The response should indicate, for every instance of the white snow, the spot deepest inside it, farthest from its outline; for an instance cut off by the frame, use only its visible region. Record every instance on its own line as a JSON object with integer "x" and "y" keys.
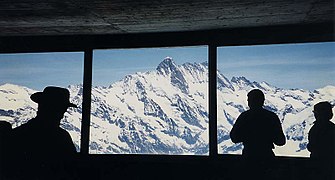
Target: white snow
{"x": 145, "y": 113}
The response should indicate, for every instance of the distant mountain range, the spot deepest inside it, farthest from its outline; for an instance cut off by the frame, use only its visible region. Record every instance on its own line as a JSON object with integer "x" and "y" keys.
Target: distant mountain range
{"x": 165, "y": 111}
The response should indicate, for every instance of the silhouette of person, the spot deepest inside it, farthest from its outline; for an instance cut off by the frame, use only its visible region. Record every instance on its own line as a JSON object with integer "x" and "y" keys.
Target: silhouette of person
{"x": 5, "y": 132}
{"x": 321, "y": 139}
{"x": 41, "y": 143}
{"x": 258, "y": 129}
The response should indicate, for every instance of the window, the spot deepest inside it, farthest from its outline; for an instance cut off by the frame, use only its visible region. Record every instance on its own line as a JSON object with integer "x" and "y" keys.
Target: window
{"x": 155, "y": 100}
{"x": 23, "y": 74}
{"x": 150, "y": 101}
{"x": 293, "y": 77}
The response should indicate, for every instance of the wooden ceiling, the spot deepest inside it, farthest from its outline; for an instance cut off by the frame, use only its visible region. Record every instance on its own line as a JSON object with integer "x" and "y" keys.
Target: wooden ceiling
{"x": 111, "y": 17}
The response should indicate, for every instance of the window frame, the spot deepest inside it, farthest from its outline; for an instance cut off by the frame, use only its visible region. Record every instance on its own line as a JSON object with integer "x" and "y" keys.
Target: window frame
{"x": 211, "y": 38}
{"x": 50, "y": 52}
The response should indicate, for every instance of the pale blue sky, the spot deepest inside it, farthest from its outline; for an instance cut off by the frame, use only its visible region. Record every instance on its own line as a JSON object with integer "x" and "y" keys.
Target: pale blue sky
{"x": 38, "y": 70}
{"x": 120, "y": 62}
{"x": 307, "y": 66}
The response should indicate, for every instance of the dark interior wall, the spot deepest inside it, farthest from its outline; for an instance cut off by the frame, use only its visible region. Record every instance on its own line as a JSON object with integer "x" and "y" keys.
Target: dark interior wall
{"x": 189, "y": 167}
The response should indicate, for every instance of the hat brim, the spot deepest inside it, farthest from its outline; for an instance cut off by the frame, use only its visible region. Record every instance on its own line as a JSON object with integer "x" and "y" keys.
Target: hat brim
{"x": 38, "y": 98}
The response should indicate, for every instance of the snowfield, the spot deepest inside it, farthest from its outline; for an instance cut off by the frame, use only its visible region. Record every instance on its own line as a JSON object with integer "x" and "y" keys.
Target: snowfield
{"x": 165, "y": 111}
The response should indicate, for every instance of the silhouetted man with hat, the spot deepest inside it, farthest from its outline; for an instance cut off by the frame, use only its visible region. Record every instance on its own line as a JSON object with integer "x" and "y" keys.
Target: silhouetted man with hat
{"x": 41, "y": 143}
{"x": 258, "y": 129}
{"x": 321, "y": 139}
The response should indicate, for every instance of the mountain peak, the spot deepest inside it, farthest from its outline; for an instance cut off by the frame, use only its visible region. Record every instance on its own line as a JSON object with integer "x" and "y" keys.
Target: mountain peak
{"x": 9, "y": 86}
{"x": 167, "y": 61}
{"x": 167, "y": 66}
{"x": 13, "y": 88}
{"x": 223, "y": 82}
{"x": 242, "y": 82}
{"x": 240, "y": 79}
{"x": 168, "y": 58}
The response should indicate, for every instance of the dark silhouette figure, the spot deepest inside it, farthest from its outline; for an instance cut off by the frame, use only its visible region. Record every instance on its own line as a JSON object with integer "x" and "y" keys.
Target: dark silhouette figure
{"x": 5, "y": 136}
{"x": 258, "y": 129}
{"x": 5, "y": 132}
{"x": 321, "y": 139}
{"x": 40, "y": 147}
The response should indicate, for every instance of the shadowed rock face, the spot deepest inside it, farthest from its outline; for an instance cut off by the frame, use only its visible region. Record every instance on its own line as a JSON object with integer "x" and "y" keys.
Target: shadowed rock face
{"x": 165, "y": 111}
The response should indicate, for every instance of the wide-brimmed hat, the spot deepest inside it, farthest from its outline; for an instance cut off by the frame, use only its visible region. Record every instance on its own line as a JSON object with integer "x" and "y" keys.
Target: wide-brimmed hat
{"x": 54, "y": 95}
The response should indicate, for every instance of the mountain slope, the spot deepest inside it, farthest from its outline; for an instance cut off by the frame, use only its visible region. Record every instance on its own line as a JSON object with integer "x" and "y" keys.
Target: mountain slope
{"x": 165, "y": 111}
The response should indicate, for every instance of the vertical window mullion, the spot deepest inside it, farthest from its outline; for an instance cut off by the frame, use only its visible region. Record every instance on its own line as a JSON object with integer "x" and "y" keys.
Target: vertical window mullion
{"x": 86, "y": 106}
{"x": 212, "y": 66}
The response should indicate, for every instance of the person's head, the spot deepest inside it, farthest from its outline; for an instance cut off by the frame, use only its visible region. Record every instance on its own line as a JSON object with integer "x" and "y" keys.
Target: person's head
{"x": 255, "y": 98}
{"x": 52, "y": 102}
{"x": 323, "y": 111}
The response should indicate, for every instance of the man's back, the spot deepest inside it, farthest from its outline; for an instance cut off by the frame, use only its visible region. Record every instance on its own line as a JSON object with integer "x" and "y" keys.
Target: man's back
{"x": 39, "y": 151}
{"x": 42, "y": 142}
{"x": 40, "y": 147}
{"x": 322, "y": 140}
{"x": 258, "y": 129}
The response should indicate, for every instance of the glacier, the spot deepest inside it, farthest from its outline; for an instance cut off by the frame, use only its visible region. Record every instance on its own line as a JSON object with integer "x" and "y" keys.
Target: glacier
{"x": 165, "y": 111}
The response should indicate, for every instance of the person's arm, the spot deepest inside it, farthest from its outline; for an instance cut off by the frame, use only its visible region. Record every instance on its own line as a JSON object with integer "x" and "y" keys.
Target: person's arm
{"x": 279, "y": 137}
{"x": 66, "y": 145}
{"x": 236, "y": 134}
{"x": 310, "y": 141}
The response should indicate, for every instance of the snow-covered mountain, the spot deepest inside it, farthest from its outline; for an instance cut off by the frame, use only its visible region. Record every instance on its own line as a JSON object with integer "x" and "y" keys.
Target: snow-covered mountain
{"x": 165, "y": 111}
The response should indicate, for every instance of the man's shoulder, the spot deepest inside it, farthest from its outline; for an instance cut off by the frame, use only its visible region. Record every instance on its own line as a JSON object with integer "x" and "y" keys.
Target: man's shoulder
{"x": 23, "y": 127}
{"x": 259, "y": 111}
{"x": 244, "y": 114}
{"x": 332, "y": 124}
{"x": 63, "y": 133}
{"x": 269, "y": 113}
{"x": 331, "y": 127}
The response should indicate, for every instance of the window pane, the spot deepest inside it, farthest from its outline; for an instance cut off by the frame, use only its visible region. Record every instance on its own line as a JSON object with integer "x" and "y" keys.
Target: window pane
{"x": 24, "y": 74}
{"x": 150, "y": 101}
{"x": 293, "y": 77}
